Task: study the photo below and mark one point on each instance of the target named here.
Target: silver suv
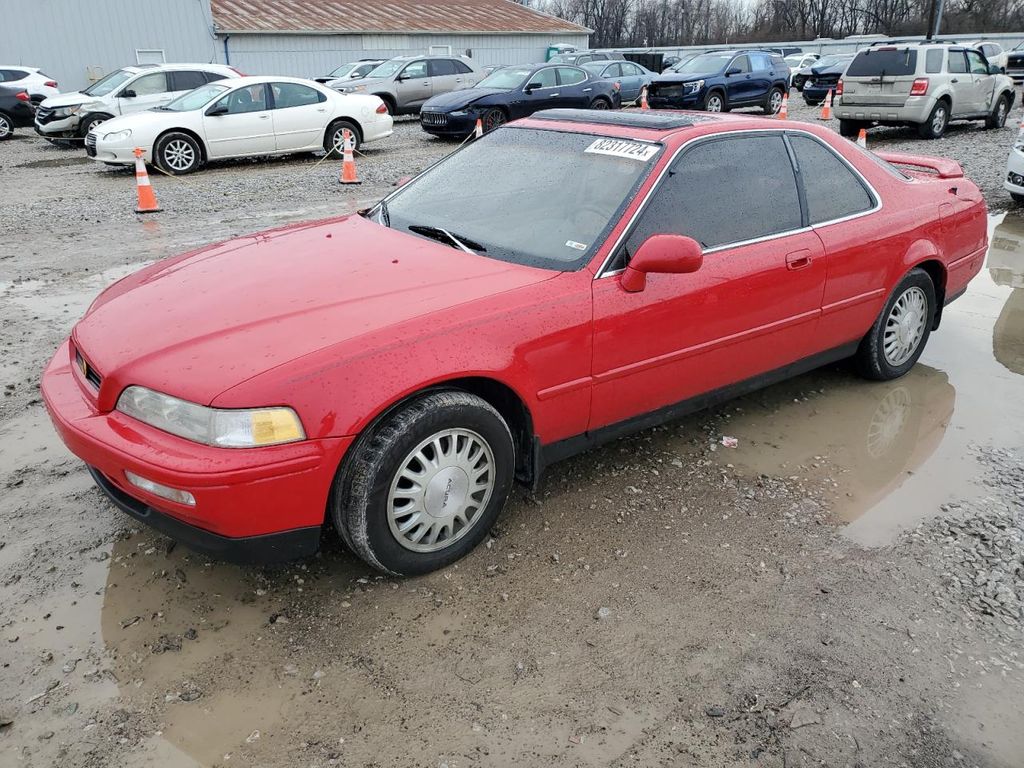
(405, 82)
(921, 84)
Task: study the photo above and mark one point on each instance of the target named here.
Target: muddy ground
(844, 588)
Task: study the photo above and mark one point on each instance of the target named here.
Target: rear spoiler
(942, 167)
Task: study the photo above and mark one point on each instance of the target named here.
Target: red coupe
(565, 280)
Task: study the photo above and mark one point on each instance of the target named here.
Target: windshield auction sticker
(633, 150)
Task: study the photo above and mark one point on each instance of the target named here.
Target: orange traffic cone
(643, 98)
(348, 161)
(147, 198)
(826, 111)
(862, 139)
(479, 130)
(784, 109)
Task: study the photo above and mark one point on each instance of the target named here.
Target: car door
(575, 88)
(761, 76)
(737, 80)
(144, 92)
(413, 86)
(540, 92)
(442, 75)
(859, 256)
(983, 84)
(751, 308)
(300, 116)
(961, 82)
(631, 81)
(240, 123)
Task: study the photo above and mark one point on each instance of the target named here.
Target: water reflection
(1006, 266)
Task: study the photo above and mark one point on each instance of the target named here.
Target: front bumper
(109, 152)
(251, 505)
(448, 124)
(686, 100)
(1013, 180)
(916, 110)
(48, 124)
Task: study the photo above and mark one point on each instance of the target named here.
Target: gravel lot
(844, 588)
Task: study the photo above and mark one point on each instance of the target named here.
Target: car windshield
(387, 69)
(343, 70)
(551, 208)
(563, 58)
(196, 99)
(507, 78)
(109, 83)
(706, 62)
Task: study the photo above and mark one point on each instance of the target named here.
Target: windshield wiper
(437, 233)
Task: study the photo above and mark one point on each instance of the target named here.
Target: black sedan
(823, 77)
(514, 92)
(16, 111)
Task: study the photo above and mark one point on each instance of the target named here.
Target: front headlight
(118, 135)
(459, 113)
(353, 88)
(694, 86)
(67, 111)
(211, 426)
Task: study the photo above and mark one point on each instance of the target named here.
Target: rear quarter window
(933, 61)
(833, 191)
(875, 62)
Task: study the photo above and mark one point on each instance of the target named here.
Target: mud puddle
(57, 162)
(891, 454)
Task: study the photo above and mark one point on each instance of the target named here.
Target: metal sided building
(77, 43)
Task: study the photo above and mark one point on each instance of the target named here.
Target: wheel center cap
(907, 326)
(447, 492)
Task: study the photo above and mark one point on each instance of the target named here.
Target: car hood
(68, 100)
(142, 123)
(196, 325)
(460, 99)
(372, 82)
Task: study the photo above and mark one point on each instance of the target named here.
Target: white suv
(132, 89)
(38, 84)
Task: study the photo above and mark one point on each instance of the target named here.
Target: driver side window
(415, 71)
(149, 85)
(545, 78)
(977, 64)
(251, 99)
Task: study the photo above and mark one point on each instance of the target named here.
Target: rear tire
(850, 128)
(773, 102)
(600, 103)
(997, 119)
(177, 153)
(333, 138)
(6, 127)
(898, 336)
(935, 126)
(412, 476)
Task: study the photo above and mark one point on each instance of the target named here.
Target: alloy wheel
(939, 121)
(179, 155)
(493, 119)
(714, 103)
(5, 127)
(441, 490)
(775, 102)
(1001, 111)
(904, 328)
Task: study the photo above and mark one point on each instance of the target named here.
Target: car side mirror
(732, 71)
(128, 93)
(217, 111)
(666, 254)
(531, 88)
(994, 69)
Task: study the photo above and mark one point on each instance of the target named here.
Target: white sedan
(242, 117)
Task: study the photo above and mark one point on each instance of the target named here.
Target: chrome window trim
(603, 272)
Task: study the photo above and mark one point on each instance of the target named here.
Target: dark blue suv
(723, 80)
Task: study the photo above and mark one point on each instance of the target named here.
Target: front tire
(997, 119)
(177, 153)
(1017, 198)
(493, 118)
(424, 486)
(86, 125)
(715, 102)
(898, 337)
(935, 126)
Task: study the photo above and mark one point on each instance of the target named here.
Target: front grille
(667, 91)
(90, 144)
(44, 114)
(433, 118)
(90, 373)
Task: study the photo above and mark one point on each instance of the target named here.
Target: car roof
(257, 79)
(654, 125)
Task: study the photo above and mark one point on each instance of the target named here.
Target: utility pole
(934, 18)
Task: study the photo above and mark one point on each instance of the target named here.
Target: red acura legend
(562, 281)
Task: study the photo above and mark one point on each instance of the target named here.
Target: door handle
(587, 90)
(264, 117)
(954, 80)
(321, 109)
(553, 95)
(798, 260)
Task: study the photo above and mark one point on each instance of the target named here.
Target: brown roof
(386, 16)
